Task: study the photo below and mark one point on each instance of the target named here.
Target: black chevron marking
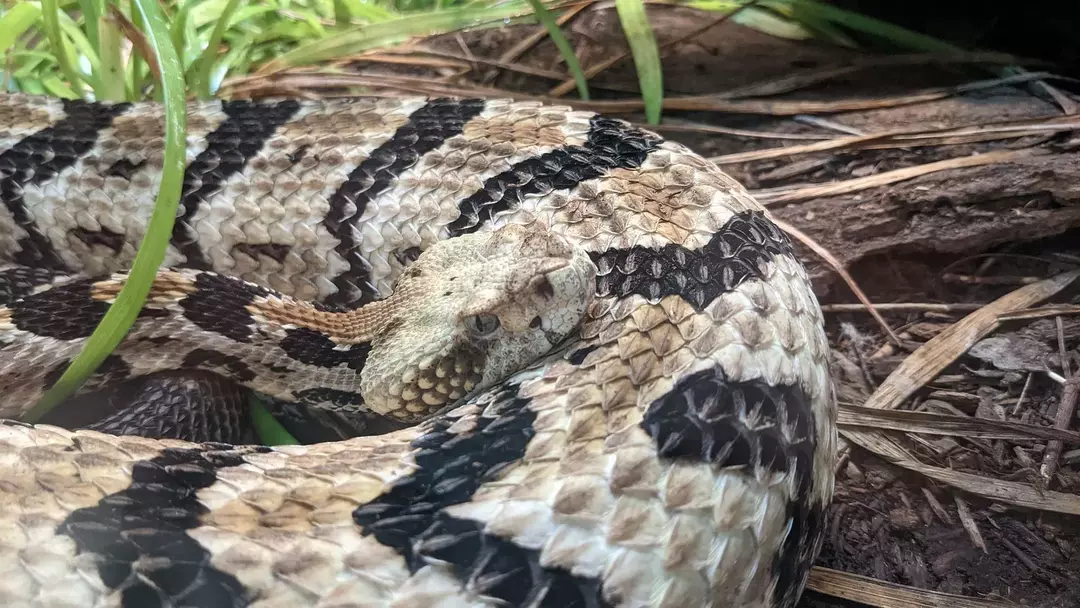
(39, 158)
(192, 406)
(113, 240)
(409, 516)
(764, 429)
(219, 303)
(736, 253)
(797, 553)
(17, 281)
(65, 312)
(213, 361)
(311, 347)
(611, 144)
(427, 129)
(228, 149)
(139, 535)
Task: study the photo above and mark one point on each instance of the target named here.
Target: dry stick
(969, 523)
(1066, 408)
(568, 85)
(1024, 559)
(902, 307)
(520, 68)
(791, 108)
(802, 80)
(882, 594)
(139, 44)
(839, 268)
(927, 362)
(779, 198)
(1040, 313)
(752, 133)
(911, 138)
(520, 48)
(1023, 393)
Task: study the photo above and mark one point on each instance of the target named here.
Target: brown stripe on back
(353, 327)
(169, 286)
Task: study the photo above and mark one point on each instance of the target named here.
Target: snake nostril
(544, 288)
(535, 323)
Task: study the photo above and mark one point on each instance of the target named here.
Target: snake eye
(482, 326)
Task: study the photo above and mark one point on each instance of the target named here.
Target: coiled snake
(676, 450)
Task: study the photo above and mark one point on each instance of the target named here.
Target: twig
(1054, 310)
(936, 506)
(1023, 393)
(969, 523)
(568, 85)
(780, 197)
(902, 307)
(831, 260)
(970, 279)
(1065, 410)
(1023, 557)
(516, 51)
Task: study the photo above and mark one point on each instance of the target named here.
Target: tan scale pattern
(590, 495)
(45, 473)
(424, 200)
(21, 116)
(591, 492)
(279, 201)
(85, 197)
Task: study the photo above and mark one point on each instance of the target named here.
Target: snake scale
(675, 450)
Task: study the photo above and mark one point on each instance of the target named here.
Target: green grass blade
(91, 14)
(111, 76)
(50, 22)
(122, 313)
(267, 427)
(341, 14)
(646, 55)
(563, 45)
(886, 31)
(52, 85)
(14, 23)
(395, 31)
(209, 56)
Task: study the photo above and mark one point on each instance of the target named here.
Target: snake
(588, 366)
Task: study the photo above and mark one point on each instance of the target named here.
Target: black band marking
(427, 129)
(612, 144)
(311, 347)
(736, 253)
(186, 405)
(219, 304)
(228, 149)
(139, 535)
(17, 281)
(274, 251)
(64, 312)
(450, 468)
(707, 418)
(218, 362)
(113, 240)
(39, 158)
(800, 548)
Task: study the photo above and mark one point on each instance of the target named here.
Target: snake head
(472, 310)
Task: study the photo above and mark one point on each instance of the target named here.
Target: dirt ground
(958, 236)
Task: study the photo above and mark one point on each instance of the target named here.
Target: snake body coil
(677, 452)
